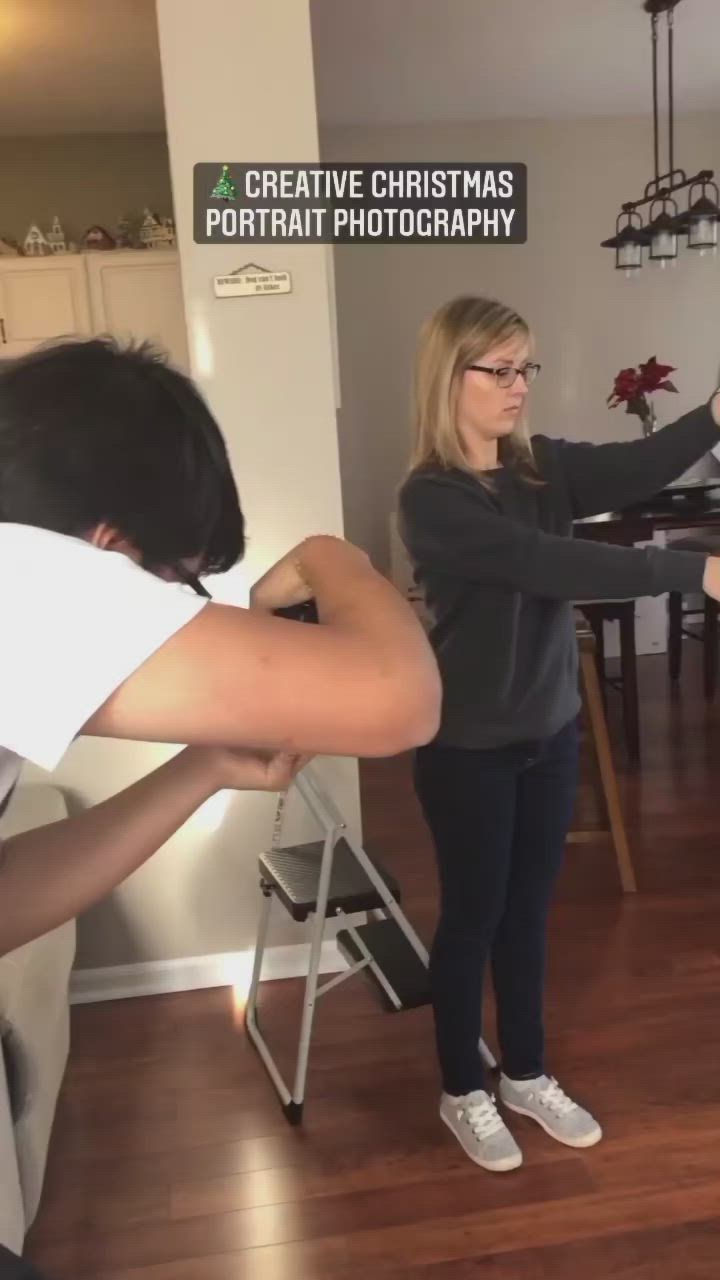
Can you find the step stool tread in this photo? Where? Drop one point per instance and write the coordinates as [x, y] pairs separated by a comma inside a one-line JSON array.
[[294, 874]]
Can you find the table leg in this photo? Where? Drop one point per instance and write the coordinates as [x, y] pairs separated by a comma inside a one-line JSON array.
[[628, 660], [710, 646], [675, 616]]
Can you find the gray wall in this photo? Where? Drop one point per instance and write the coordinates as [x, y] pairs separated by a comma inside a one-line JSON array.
[[589, 320]]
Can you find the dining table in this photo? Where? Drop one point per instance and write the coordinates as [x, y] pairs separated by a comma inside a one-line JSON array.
[[689, 504], [680, 508]]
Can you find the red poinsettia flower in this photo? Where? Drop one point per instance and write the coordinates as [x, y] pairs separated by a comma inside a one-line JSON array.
[[654, 376], [627, 386], [632, 386]]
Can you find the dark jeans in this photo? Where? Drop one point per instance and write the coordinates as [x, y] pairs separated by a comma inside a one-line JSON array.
[[499, 819]]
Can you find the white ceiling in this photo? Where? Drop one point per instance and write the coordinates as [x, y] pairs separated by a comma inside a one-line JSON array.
[[410, 61], [79, 66]]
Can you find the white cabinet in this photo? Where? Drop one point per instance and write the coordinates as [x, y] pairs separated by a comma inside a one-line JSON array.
[[139, 294], [41, 299], [125, 293]]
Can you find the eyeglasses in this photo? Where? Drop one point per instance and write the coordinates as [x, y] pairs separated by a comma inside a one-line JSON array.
[[505, 374], [179, 574], [191, 580]]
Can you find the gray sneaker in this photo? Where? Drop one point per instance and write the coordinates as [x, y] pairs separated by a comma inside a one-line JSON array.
[[480, 1131], [559, 1116]]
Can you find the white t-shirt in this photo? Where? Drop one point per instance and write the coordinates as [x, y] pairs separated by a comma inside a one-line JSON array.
[[75, 622]]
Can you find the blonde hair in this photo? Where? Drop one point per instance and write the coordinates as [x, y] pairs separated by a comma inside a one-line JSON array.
[[459, 334]]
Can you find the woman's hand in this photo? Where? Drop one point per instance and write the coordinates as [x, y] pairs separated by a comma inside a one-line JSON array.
[[711, 577], [240, 769], [715, 407]]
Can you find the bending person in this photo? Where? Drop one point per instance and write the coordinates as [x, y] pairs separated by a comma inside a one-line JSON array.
[[116, 498]]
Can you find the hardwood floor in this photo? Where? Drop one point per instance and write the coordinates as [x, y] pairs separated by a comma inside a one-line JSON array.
[[172, 1161]]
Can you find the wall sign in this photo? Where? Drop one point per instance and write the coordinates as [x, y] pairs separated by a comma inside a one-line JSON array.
[[252, 281]]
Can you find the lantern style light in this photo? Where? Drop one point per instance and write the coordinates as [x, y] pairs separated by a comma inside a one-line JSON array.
[[699, 222], [662, 232], [629, 241]]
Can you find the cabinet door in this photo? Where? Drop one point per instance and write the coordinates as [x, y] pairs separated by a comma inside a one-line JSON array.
[[41, 299], [138, 294]]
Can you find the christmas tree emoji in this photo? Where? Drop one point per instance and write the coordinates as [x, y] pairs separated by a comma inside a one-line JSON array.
[[224, 188]]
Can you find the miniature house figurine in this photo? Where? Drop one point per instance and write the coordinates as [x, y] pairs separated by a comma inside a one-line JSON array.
[[157, 234], [56, 237], [168, 233], [98, 238], [35, 244], [124, 233]]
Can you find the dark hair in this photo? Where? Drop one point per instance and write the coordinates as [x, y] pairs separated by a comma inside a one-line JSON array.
[[92, 431]]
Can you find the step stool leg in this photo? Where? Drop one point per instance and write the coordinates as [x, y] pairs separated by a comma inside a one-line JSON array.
[[251, 1025], [294, 1108], [387, 987], [263, 924], [487, 1057]]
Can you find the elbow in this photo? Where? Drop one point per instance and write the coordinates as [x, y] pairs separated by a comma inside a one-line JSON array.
[[410, 717], [422, 718]]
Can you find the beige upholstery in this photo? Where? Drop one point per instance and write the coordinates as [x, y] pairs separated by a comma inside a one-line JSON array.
[[34, 1036]]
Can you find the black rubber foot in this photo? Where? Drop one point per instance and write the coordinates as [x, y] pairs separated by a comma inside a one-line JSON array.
[[293, 1112]]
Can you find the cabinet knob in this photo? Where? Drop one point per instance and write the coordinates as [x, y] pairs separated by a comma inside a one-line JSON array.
[[3, 336]]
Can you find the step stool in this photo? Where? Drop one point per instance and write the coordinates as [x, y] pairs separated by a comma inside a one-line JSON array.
[[330, 878]]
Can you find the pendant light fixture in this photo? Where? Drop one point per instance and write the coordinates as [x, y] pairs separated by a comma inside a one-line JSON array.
[[699, 222]]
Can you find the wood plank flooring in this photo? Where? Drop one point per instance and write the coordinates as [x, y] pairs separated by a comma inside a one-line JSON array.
[[172, 1161]]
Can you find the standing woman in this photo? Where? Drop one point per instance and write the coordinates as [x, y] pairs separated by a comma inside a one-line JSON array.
[[486, 515]]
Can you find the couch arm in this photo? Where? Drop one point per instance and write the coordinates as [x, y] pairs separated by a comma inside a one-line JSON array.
[[34, 1014], [12, 1210]]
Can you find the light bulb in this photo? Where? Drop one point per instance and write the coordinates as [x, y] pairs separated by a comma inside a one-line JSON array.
[[664, 246], [703, 233], [630, 256]]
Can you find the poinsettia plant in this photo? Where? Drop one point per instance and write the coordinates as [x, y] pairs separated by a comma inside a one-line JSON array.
[[633, 386]]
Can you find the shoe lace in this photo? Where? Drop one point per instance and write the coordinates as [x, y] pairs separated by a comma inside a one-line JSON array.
[[556, 1100], [482, 1116]]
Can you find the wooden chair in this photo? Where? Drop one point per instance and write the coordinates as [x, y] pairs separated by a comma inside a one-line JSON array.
[[597, 613], [592, 697]]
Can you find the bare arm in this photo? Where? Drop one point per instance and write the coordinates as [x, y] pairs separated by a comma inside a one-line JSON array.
[[49, 875], [362, 683]]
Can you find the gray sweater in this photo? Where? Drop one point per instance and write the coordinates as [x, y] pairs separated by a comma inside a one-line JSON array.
[[499, 570]]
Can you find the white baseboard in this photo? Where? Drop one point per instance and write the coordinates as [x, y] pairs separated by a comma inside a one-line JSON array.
[[231, 969]]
